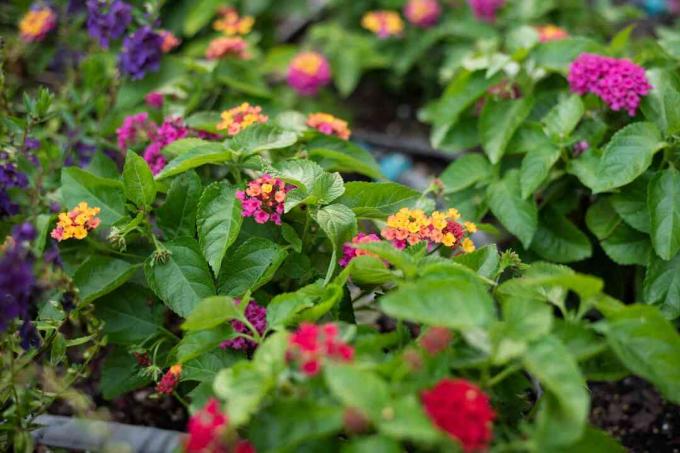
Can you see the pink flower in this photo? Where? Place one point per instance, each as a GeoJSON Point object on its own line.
{"type": "Point", "coordinates": [227, 46]}
{"type": "Point", "coordinates": [349, 251]}
{"type": "Point", "coordinates": [257, 316]}
{"type": "Point", "coordinates": [485, 10]}
{"type": "Point", "coordinates": [618, 82]}
{"type": "Point", "coordinates": [170, 131]}
{"type": "Point", "coordinates": [154, 99]}
{"type": "Point", "coordinates": [132, 127]}
{"type": "Point", "coordinates": [311, 345]}
{"type": "Point", "coordinates": [170, 41]}
{"type": "Point", "coordinates": [422, 13]}
{"type": "Point", "coordinates": [205, 429]}
{"type": "Point", "coordinates": [264, 199]}
{"type": "Point", "coordinates": [308, 72]}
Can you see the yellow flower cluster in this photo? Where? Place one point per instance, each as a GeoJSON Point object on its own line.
{"type": "Point", "coordinates": [238, 118]}
{"type": "Point", "coordinates": [76, 223]}
{"type": "Point", "coordinates": [410, 226]}
{"type": "Point", "coordinates": [383, 23]}
{"type": "Point", "coordinates": [231, 23]}
{"type": "Point", "coordinates": [37, 23]}
{"type": "Point", "coordinates": [329, 125]}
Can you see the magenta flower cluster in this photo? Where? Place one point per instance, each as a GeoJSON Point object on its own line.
{"type": "Point", "coordinates": [264, 199]}
{"type": "Point", "coordinates": [485, 10]}
{"type": "Point", "coordinates": [308, 72]}
{"type": "Point", "coordinates": [618, 82]}
{"type": "Point", "coordinates": [349, 251]}
{"type": "Point", "coordinates": [257, 316]}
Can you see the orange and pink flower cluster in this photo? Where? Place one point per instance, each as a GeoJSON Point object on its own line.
{"type": "Point", "coordinates": [264, 199]}
{"type": "Point", "coordinates": [76, 223]}
{"type": "Point", "coordinates": [232, 26]}
{"type": "Point", "coordinates": [308, 72]}
{"type": "Point", "coordinates": [311, 345]}
{"type": "Point", "coordinates": [329, 125]}
{"type": "Point", "coordinates": [239, 118]}
{"type": "Point", "coordinates": [37, 23]}
{"type": "Point", "coordinates": [410, 226]}
{"type": "Point", "coordinates": [383, 23]}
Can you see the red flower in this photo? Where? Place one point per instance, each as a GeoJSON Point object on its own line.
{"type": "Point", "coordinates": [205, 428]}
{"type": "Point", "coordinates": [244, 446]}
{"type": "Point", "coordinates": [462, 410]}
{"type": "Point", "coordinates": [169, 381]}
{"type": "Point", "coordinates": [311, 344]}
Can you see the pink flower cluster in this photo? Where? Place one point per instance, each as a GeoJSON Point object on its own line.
{"type": "Point", "coordinates": [154, 99]}
{"type": "Point", "coordinates": [264, 199]}
{"type": "Point", "coordinates": [310, 345]}
{"type": "Point", "coordinates": [422, 13]}
{"type": "Point", "coordinates": [206, 432]}
{"type": "Point", "coordinates": [134, 128]}
{"type": "Point", "coordinates": [485, 10]}
{"type": "Point", "coordinates": [308, 72]}
{"type": "Point", "coordinates": [618, 82]}
{"type": "Point", "coordinates": [257, 316]}
{"type": "Point", "coordinates": [349, 252]}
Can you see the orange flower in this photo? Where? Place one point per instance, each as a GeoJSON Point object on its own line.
{"type": "Point", "coordinates": [238, 118]}
{"type": "Point", "coordinates": [329, 125]}
{"type": "Point", "coordinates": [231, 23]}
{"type": "Point", "coordinates": [383, 23]}
{"type": "Point", "coordinates": [76, 223]}
{"type": "Point", "coordinates": [224, 46]}
{"type": "Point", "coordinates": [551, 33]}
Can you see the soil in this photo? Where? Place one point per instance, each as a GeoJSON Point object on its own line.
{"type": "Point", "coordinates": [635, 414]}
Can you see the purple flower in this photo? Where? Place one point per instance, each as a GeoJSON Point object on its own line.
{"type": "Point", "coordinates": [142, 52]}
{"type": "Point", "coordinates": [10, 178]}
{"type": "Point", "coordinates": [107, 20]}
{"type": "Point", "coordinates": [618, 82]}
{"type": "Point", "coordinates": [257, 316]}
{"type": "Point", "coordinates": [17, 282]}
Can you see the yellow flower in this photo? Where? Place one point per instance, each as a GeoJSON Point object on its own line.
{"type": "Point", "coordinates": [76, 223]}
{"type": "Point", "coordinates": [470, 227]}
{"type": "Point", "coordinates": [467, 245]}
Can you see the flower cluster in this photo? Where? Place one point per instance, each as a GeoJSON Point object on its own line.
{"type": "Point", "coordinates": [618, 82]}
{"type": "Point", "coordinates": [307, 72]}
{"type": "Point", "coordinates": [107, 20]}
{"type": "Point", "coordinates": [170, 41]}
{"type": "Point", "coordinates": [231, 23]}
{"type": "Point", "coordinates": [349, 251]}
{"type": "Point", "coordinates": [485, 10]}
{"type": "Point", "coordinates": [257, 317]}
{"type": "Point", "coordinates": [238, 118]}
{"type": "Point", "coordinates": [154, 99]}
{"type": "Point", "coordinates": [227, 46]}
{"type": "Point", "coordinates": [206, 432]}
{"type": "Point", "coordinates": [142, 52]}
{"type": "Point", "coordinates": [422, 13]}
{"type": "Point", "coordinates": [435, 340]}
{"type": "Point", "coordinates": [264, 199]}
{"type": "Point", "coordinates": [461, 409]}
{"type": "Point", "coordinates": [10, 178]}
{"type": "Point", "coordinates": [329, 125]}
{"type": "Point", "coordinates": [76, 223]}
{"type": "Point", "coordinates": [170, 380]}
{"type": "Point", "coordinates": [134, 128]}
{"type": "Point", "coordinates": [37, 23]}
{"type": "Point", "coordinates": [170, 131]}
{"type": "Point", "coordinates": [410, 226]}
{"type": "Point", "coordinates": [550, 32]}
{"type": "Point", "coordinates": [310, 345]}
{"type": "Point", "coordinates": [383, 23]}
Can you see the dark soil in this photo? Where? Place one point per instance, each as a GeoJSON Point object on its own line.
{"type": "Point", "coordinates": [635, 414]}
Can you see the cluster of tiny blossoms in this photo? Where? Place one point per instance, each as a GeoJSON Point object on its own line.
{"type": "Point", "coordinates": [329, 125]}
{"type": "Point", "coordinates": [462, 410]}
{"type": "Point", "coordinates": [307, 72]}
{"type": "Point", "coordinates": [37, 23]}
{"type": "Point", "coordinates": [170, 380]}
{"type": "Point", "coordinates": [383, 23]}
{"type": "Point", "coordinates": [310, 345]}
{"type": "Point", "coordinates": [485, 10]}
{"type": "Point", "coordinates": [227, 46]}
{"type": "Point", "coordinates": [349, 250]}
{"type": "Point", "coordinates": [257, 317]}
{"type": "Point", "coordinates": [238, 118]}
{"type": "Point", "coordinates": [410, 226]}
{"type": "Point", "coordinates": [76, 223]}
{"type": "Point", "coordinates": [264, 199]}
{"type": "Point", "coordinates": [547, 33]}
{"type": "Point", "coordinates": [422, 13]}
{"type": "Point", "coordinates": [618, 82]}
{"type": "Point", "coordinates": [231, 23]}
{"type": "Point", "coordinates": [206, 432]}
{"type": "Point", "coordinates": [170, 41]}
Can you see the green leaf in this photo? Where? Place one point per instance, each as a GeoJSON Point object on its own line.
{"type": "Point", "coordinates": [212, 153]}
{"type": "Point", "coordinates": [139, 185]}
{"type": "Point", "coordinates": [262, 137]}
{"type": "Point", "coordinates": [369, 270]}
{"type": "Point", "coordinates": [388, 252]}
{"type": "Point", "coordinates": [204, 121]}
{"type": "Point", "coordinates": [120, 374]}
{"type": "Point", "coordinates": [377, 200]}
{"type": "Point", "coordinates": [290, 235]}
{"type": "Point", "coordinates": [284, 309]}
{"type": "Point", "coordinates": [536, 167]}
{"type": "Point", "coordinates": [101, 165]}
{"type": "Point", "coordinates": [128, 317]}
{"type": "Point", "coordinates": [199, 16]}
{"type": "Point", "coordinates": [647, 344]}
{"type": "Point", "coordinates": [631, 204]}
{"type": "Point", "coordinates": [242, 387]}
{"type": "Point", "coordinates": [374, 444]}
{"type": "Point", "coordinates": [339, 224]}
{"type": "Point", "coordinates": [559, 240]}
{"type": "Point", "coordinates": [661, 105]}
{"type": "Point", "coordinates": [210, 312]}
{"type": "Point", "coordinates": [524, 320]}
{"type": "Point", "coordinates": [516, 214]}
{"type": "Point", "coordinates": [564, 407]}
{"type": "Point", "coordinates": [465, 171]}
{"type": "Point", "coordinates": [177, 216]}
{"type": "Point", "coordinates": [358, 389]}
{"type": "Point", "coordinates": [484, 260]}
{"type": "Point", "coordinates": [663, 200]}
{"type": "Point", "coordinates": [457, 302]}
{"type": "Point", "coordinates": [196, 343]}
{"type": "Point", "coordinates": [248, 267]}
{"type": "Point", "coordinates": [627, 155]}
{"type": "Point", "coordinates": [183, 145]}
{"type": "Point", "coordinates": [498, 123]}
{"type": "Point", "coordinates": [562, 119]}
{"type": "Point", "coordinates": [99, 275]}
{"type": "Point", "coordinates": [585, 168]}
{"type": "Point", "coordinates": [593, 440]}
{"type": "Point", "coordinates": [410, 423]}
{"type": "Point", "coordinates": [270, 356]}
{"type": "Point", "coordinates": [184, 280]}
{"type": "Point", "coordinates": [333, 153]}
{"type": "Point", "coordinates": [662, 285]}
{"type": "Point", "coordinates": [132, 92]}
{"type": "Point", "coordinates": [206, 366]}
{"type": "Point", "coordinates": [107, 194]}
{"type": "Point", "coordinates": [242, 76]}
{"type": "Point", "coordinates": [558, 55]}
{"type": "Point", "coordinates": [218, 218]}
